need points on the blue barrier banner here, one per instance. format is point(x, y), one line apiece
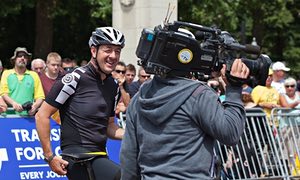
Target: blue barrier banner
point(113, 150)
point(21, 155)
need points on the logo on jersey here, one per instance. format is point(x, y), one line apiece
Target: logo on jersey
point(68, 78)
point(3, 156)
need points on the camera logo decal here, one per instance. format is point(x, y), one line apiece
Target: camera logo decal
point(185, 56)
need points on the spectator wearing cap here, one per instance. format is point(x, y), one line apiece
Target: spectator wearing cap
point(246, 96)
point(279, 70)
point(21, 86)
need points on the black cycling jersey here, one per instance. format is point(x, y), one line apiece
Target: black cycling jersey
point(85, 103)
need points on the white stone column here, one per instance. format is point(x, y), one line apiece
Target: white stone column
point(132, 18)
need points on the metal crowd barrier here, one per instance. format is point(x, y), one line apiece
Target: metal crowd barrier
point(287, 125)
point(11, 113)
point(121, 121)
point(256, 155)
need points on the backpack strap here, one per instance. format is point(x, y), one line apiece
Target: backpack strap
point(198, 90)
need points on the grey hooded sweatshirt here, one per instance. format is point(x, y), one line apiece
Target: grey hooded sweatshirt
point(172, 125)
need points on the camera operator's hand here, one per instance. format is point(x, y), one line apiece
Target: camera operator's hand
point(239, 69)
point(238, 74)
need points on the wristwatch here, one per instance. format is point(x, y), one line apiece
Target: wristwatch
point(49, 159)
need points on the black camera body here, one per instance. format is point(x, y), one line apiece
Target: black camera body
point(168, 49)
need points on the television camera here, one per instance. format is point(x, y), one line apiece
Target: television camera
point(172, 49)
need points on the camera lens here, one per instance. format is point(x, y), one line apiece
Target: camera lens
point(259, 68)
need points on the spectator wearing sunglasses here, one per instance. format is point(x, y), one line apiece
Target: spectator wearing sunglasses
point(135, 86)
point(119, 75)
point(68, 65)
point(22, 86)
point(291, 99)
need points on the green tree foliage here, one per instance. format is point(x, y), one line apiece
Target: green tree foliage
point(208, 13)
point(13, 7)
point(73, 26)
point(275, 24)
point(15, 27)
point(101, 9)
point(73, 22)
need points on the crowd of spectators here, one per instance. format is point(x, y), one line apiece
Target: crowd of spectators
point(25, 86)
point(20, 85)
point(23, 90)
point(280, 90)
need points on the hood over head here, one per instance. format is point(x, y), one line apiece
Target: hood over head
point(161, 97)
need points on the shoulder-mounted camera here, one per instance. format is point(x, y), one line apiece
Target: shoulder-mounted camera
point(171, 48)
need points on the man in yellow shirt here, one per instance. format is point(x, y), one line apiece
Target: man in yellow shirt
point(22, 88)
point(266, 97)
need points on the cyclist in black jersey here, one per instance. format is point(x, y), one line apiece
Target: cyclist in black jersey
point(86, 99)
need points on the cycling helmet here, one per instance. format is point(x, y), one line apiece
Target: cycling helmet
point(106, 35)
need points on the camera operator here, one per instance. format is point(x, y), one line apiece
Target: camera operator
point(173, 124)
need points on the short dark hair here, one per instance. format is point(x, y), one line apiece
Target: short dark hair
point(121, 63)
point(131, 67)
point(66, 60)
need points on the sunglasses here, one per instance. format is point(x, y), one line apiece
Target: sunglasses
point(290, 86)
point(69, 69)
point(145, 76)
point(120, 72)
point(19, 55)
